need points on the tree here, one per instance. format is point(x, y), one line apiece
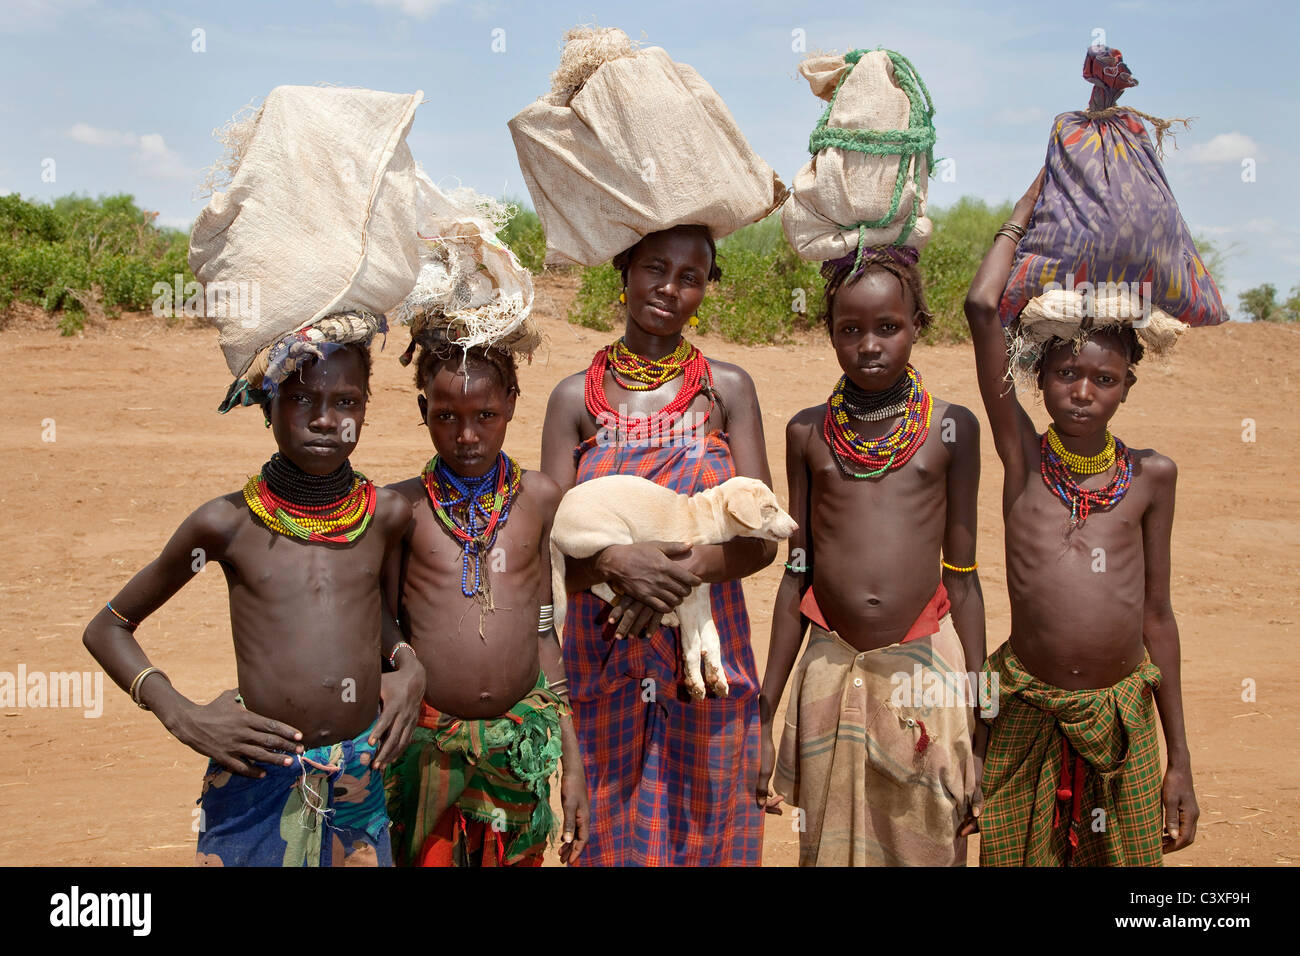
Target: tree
point(1291, 307)
point(1260, 303)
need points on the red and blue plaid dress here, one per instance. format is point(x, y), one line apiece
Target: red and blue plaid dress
point(670, 778)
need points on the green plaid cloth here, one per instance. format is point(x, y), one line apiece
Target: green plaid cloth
point(1113, 729)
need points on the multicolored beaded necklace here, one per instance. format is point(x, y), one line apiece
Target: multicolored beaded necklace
point(1082, 501)
point(697, 376)
point(877, 455)
point(334, 508)
point(1080, 464)
point(877, 406)
point(473, 510)
point(636, 373)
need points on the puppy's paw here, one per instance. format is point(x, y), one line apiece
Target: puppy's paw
point(716, 679)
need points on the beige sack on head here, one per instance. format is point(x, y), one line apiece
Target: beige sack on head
point(319, 215)
point(629, 143)
point(840, 189)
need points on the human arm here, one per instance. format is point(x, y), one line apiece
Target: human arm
point(963, 587)
point(1160, 634)
point(223, 730)
point(573, 781)
point(652, 582)
point(739, 557)
point(1013, 430)
point(402, 689)
point(788, 625)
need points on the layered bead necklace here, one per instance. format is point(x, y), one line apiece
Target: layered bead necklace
point(334, 508)
point(1057, 463)
point(877, 455)
point(473, 511)
point(637, 373)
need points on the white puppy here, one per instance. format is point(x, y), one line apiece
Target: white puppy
point(626, 509)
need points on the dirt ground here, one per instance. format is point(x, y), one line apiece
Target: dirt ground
point(137, 445)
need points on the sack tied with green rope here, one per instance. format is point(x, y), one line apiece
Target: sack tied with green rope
point(872, 152)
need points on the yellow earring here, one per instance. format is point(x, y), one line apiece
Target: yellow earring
point(695, 321)
point(622, 297)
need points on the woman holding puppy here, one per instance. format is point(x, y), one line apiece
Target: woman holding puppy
point(670, 778)
point(634, 159)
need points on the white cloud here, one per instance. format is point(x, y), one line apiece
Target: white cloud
point(152, 153)
point(1024, 116)
point(1224, 148)
point(159, 159)
point(94, 136)
point(420, 9)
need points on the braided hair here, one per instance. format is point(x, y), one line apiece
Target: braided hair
point(842, 273)
point(437, 351)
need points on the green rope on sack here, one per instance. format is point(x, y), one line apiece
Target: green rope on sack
point(918, 138)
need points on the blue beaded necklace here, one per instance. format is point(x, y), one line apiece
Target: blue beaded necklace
point(485, 504)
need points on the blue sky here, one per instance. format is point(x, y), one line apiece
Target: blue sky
point(118, 98)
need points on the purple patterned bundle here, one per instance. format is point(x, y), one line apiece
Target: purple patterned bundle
point(1106, 213)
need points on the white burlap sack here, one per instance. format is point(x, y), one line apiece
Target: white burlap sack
point(629, 143)
point(839, 189)
point(319, 214)
point(470, 283)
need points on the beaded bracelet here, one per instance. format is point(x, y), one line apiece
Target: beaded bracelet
point(545, 618)
point(392, 657)
point(797, 569)
point(130, 624)
point(974, 565)
point(137, 685)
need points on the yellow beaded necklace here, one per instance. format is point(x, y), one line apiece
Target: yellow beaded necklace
point(638, 374)
point(1080, 465)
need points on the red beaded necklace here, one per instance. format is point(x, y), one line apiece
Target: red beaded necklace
point(877, 455)
point(1082, 501)
point(697, 376)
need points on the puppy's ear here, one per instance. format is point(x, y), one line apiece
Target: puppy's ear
point(744, 507)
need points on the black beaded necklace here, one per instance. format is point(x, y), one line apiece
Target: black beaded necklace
point(291, 483)
point(874, 406)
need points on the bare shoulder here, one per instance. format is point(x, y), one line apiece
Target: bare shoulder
point(220, 517)
point(569, 391)
point(1151, 466)
point(803, 425)
point(392, 508)
point(543, 489)
point(963, 418)
point(731, 379)
point(410, 490)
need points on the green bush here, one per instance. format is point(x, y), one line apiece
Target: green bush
point(596, 305)
point(524, 236)
point(107, 249)
point(963, 233)
point(24, 221)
